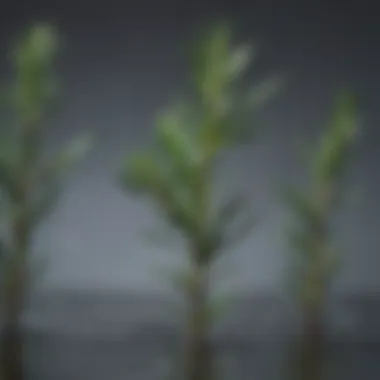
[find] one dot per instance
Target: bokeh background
(104, 291)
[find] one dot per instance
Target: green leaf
(239, 61)
(34, 85)
(33, 58)
(141, 172)
(217, 65)
(182, 214)
(333, 155)
(177, 142)
(209, 59)
(43, 40)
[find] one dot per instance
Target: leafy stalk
(316, 262)
(176, 172)
(29, 183)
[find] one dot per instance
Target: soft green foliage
(177, 171)
(317, 260)
(23, 173)
(34, 85)
(177, 174)
(29, 183)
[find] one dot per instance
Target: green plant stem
(311, 349)
(17, 276)
(198, 355)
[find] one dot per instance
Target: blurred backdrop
(122, 62)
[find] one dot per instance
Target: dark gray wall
(120, 64)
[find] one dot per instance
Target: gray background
(121, 63)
